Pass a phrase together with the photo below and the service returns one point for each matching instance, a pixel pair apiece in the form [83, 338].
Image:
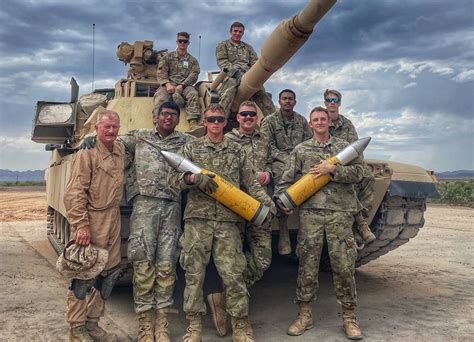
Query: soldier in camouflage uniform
[236, 57]
[285, 129]
[209, 227]
[341, 127]
[177, 72]
[328, 212]
[258, 239]
[155, 224]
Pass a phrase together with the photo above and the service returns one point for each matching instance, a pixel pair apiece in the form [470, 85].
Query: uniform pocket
[136, 248]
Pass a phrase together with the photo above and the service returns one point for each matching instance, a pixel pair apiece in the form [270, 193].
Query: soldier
[285, 129]
[177, 72]
[92, 198]
[209, 226]
[235, 57]
[155, 224]
[329, 213]
[259, 239]
[343, 128]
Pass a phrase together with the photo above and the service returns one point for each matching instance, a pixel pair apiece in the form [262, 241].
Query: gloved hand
[88, 143]
[205, 182]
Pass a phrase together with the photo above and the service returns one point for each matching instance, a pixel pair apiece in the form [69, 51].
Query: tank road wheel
[58, 230]
[398, 219]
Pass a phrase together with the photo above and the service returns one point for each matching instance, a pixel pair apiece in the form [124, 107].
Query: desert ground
[422, 291]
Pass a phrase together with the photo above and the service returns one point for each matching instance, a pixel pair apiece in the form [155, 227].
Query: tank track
[397, 220]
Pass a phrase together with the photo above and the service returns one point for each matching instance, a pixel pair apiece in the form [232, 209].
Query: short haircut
[334, 92]
[236, 24]
[214, 108]
[318, 109]
[286, 91]
[183, 34]
[248, 103]
[169, 105]
[107, 113]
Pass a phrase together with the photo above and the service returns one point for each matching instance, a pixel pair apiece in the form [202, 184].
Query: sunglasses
[332, 100]
[245, 114]
[214, 119]
[183, 41]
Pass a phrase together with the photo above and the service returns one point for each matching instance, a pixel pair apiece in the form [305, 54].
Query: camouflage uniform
[284, 136]
[179, 70]
[155, 224]
[211, 227]
[238, 58]
[259, 239]
[344, 129]
[329, 211]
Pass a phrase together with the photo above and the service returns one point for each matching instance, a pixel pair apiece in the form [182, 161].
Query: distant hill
[21, 176]
[460, 174]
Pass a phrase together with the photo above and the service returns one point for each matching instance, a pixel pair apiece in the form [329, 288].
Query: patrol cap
[82, 262]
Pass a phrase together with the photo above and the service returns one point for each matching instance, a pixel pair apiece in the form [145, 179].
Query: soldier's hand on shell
[284, 209]
[205, 182]
[88, 143]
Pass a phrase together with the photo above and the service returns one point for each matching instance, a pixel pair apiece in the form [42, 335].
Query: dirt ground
[422, 291]
[18, 203]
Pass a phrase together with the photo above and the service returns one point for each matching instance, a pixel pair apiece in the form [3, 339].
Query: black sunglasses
[248, 113]
[214, 119]
[183, 41]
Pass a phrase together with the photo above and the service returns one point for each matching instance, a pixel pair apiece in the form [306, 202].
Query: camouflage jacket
[339, 193]
[148, 173]
[256, 146]
[344, 129]
[227, 159]
[178, 69]
[235, 56]
[283, 135]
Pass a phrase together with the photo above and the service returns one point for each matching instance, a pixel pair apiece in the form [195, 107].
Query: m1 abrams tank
[401, 190]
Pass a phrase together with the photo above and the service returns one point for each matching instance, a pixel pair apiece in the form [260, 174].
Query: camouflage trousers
[201, 238]
[227, 93]
[258, 241]
[337, 226]
[155, 227]
[365, 193]
[190, 95]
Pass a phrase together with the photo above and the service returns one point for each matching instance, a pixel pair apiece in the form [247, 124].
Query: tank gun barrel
[282, 44]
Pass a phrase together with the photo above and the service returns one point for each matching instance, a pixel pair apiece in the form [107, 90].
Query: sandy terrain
[22, 203]
[422, 291]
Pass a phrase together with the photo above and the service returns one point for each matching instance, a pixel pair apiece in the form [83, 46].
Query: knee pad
[80, 287]
[105, 282]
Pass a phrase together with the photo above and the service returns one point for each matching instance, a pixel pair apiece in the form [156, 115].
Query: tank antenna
[199, 53]
[93, 54]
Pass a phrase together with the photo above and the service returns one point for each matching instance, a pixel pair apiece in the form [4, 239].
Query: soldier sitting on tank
[236, 57]
[326, 214]
[343, 128]
[177, 72]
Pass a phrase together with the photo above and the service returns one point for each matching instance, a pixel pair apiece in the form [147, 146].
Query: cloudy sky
[405, 68]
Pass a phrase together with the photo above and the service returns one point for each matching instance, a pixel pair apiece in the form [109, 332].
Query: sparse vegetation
[456, 192]
[22, 183]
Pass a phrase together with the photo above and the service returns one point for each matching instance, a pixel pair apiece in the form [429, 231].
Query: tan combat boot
[363, 228]
[304, 321]
[98, 334]
[284, 244]
[217, 304]
[194, 330]
[350, 326]
[162, 333]
[145, 327]
[80, 334]
[242, 330]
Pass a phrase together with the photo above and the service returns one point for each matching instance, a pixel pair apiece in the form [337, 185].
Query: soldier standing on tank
[285, 129]
[92, 197]
[209, 227]
[235, 57]
[258, 239]
[329, 212]
[177, 72]
[341, 127]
